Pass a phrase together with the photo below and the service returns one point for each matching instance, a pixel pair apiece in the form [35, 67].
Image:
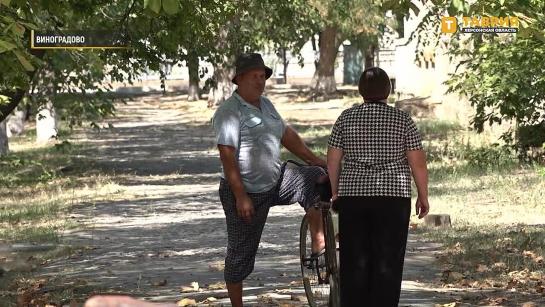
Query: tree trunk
[323, 83]
[370, 56]
[223, 71]
[437, 220]
[14, 100]
[224, 87]
[4, 147]
[16, 122]
[46, 123]
[285, 62]
[193, 66]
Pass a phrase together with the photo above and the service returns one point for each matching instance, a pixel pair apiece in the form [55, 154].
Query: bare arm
[295, 144]
[231, 170]
[334, 158]
[419, 168]
[245, 208]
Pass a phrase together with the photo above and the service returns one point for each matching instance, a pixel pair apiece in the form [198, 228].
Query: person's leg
[235, 293]
[242, 241]
[354, 252]
[316, 227]
[299, 185]
[388, 247]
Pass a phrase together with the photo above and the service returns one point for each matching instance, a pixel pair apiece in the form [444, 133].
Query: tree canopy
[502, 75]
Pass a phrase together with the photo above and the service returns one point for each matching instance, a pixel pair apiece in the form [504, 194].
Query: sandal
[317, 254]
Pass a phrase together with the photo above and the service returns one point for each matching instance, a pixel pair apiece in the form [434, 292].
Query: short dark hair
[374, 84]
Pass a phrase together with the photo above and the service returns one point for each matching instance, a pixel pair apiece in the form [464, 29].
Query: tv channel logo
[449, 24]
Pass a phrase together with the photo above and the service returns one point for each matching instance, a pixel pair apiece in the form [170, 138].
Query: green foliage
[500, 92]
[18, 170]
[497, 90]
[15, 59]
[491, 157]
[351, 17]
[541, 171]
[531, 135]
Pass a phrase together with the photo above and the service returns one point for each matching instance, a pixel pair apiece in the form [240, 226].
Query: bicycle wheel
[331, 260]
[313, 270]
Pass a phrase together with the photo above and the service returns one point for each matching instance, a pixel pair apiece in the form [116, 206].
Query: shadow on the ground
[161, 149]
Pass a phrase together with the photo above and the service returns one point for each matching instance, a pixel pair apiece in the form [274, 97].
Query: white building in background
[297, 73]
[419, 75]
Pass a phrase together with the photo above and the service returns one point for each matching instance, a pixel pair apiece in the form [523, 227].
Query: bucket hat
[248, 61]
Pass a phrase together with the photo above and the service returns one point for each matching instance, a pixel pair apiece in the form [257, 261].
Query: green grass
[34, 234]
[38, 186]
[30, 212]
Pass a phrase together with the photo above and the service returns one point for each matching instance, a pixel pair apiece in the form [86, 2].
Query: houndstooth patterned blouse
[374, 138]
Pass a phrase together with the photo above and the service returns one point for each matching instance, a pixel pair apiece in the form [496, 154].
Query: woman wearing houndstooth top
[381, 147]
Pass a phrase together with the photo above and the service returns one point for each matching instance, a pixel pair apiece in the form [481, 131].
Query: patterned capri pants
[296, 185]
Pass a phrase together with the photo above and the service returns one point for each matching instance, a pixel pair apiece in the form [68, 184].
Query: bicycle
[320, 272]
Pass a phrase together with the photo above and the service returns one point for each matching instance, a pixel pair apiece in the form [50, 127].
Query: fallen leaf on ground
[195, 285]
[529, 254]
[453, 304]
[475, 284]
[296, 283]
[186, 289]
[266, 299]
[217, 286]
[453, 276]
[218, 266]
[500, 265]
[536, 276]
[187, 302]
[497, 300]
[482, 268]
[529, 304]
[299, 298]
[209, 300]
[159, 283]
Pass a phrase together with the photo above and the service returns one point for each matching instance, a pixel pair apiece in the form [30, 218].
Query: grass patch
[499, 256]
[40, 184]
[34, 234]
[39, 187]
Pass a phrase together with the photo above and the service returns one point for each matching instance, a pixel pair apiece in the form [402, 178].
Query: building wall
[420, 74]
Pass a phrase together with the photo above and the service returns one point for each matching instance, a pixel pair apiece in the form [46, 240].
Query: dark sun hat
[247, 61]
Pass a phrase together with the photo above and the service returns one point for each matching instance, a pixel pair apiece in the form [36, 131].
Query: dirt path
[170, 230]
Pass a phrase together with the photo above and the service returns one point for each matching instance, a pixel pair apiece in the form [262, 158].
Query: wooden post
[437, 220]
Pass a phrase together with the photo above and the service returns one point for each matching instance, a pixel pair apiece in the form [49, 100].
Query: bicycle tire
[332, 264]
[317, 294]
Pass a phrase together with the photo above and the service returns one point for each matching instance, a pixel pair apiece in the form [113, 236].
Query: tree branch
[15, 96]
